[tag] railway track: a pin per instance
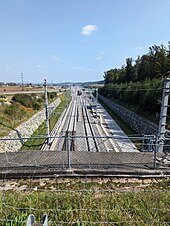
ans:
(82, 122)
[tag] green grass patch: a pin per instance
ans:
(21, 108)
(11, 116)
(80, 202)
(36, 144)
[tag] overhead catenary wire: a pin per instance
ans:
(132, 90)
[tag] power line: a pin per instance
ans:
(131, 90)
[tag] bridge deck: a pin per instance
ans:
(20, 164)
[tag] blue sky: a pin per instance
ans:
(76, 40)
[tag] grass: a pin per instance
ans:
(36, 144)
(7, 123)
(88, 203)
(12, 115)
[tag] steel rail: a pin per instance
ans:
(91, 129)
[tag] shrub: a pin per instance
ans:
(29, 101)
(15, 112)
(23, 99)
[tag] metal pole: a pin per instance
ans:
(154, 157)
(96, 101)
(68, 150)
(46, 111)
(163, 116)
(22, 81)
(66, 98)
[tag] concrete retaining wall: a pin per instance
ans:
(26, 129)
(139, 124)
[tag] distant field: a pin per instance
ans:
(8, 89)
(5, 89)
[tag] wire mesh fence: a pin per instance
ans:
(80, 201)
(101, 152)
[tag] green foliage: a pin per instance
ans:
(36, 105)
(29, 101)
(138, 84)
(52, 95)
(23, 99)
(152, 65)
(22, 108)
(16, 112)
(84, 202)
(11, 116)
(144, 96)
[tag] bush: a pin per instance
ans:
(15, 112)
(23, 99)
(36, 105)
(52, 95)
(28, 101)
(145, 97)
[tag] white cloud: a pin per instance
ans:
(45, 67)
(98, 58)
(55, 58)
(8, 67)
(101, 52)
(88, 29)
(38, 65)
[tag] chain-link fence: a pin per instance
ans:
(88, 152)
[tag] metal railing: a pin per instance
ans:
(131, 147)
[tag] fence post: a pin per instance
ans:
(163, 116)
(30, 220)
(68, 150)
(154, 146)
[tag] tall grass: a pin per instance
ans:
(88, 203)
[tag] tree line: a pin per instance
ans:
(152, 65)
(138, 84)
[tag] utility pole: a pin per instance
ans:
(66, 96)
(163, 116)
(97, 101)
(22, 81)
(46, 110)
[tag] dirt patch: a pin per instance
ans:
(115, 185)
(13, 89)
(7, 89)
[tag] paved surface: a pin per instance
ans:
(78, 159)
(125, 144)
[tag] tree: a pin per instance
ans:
(130, 72)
